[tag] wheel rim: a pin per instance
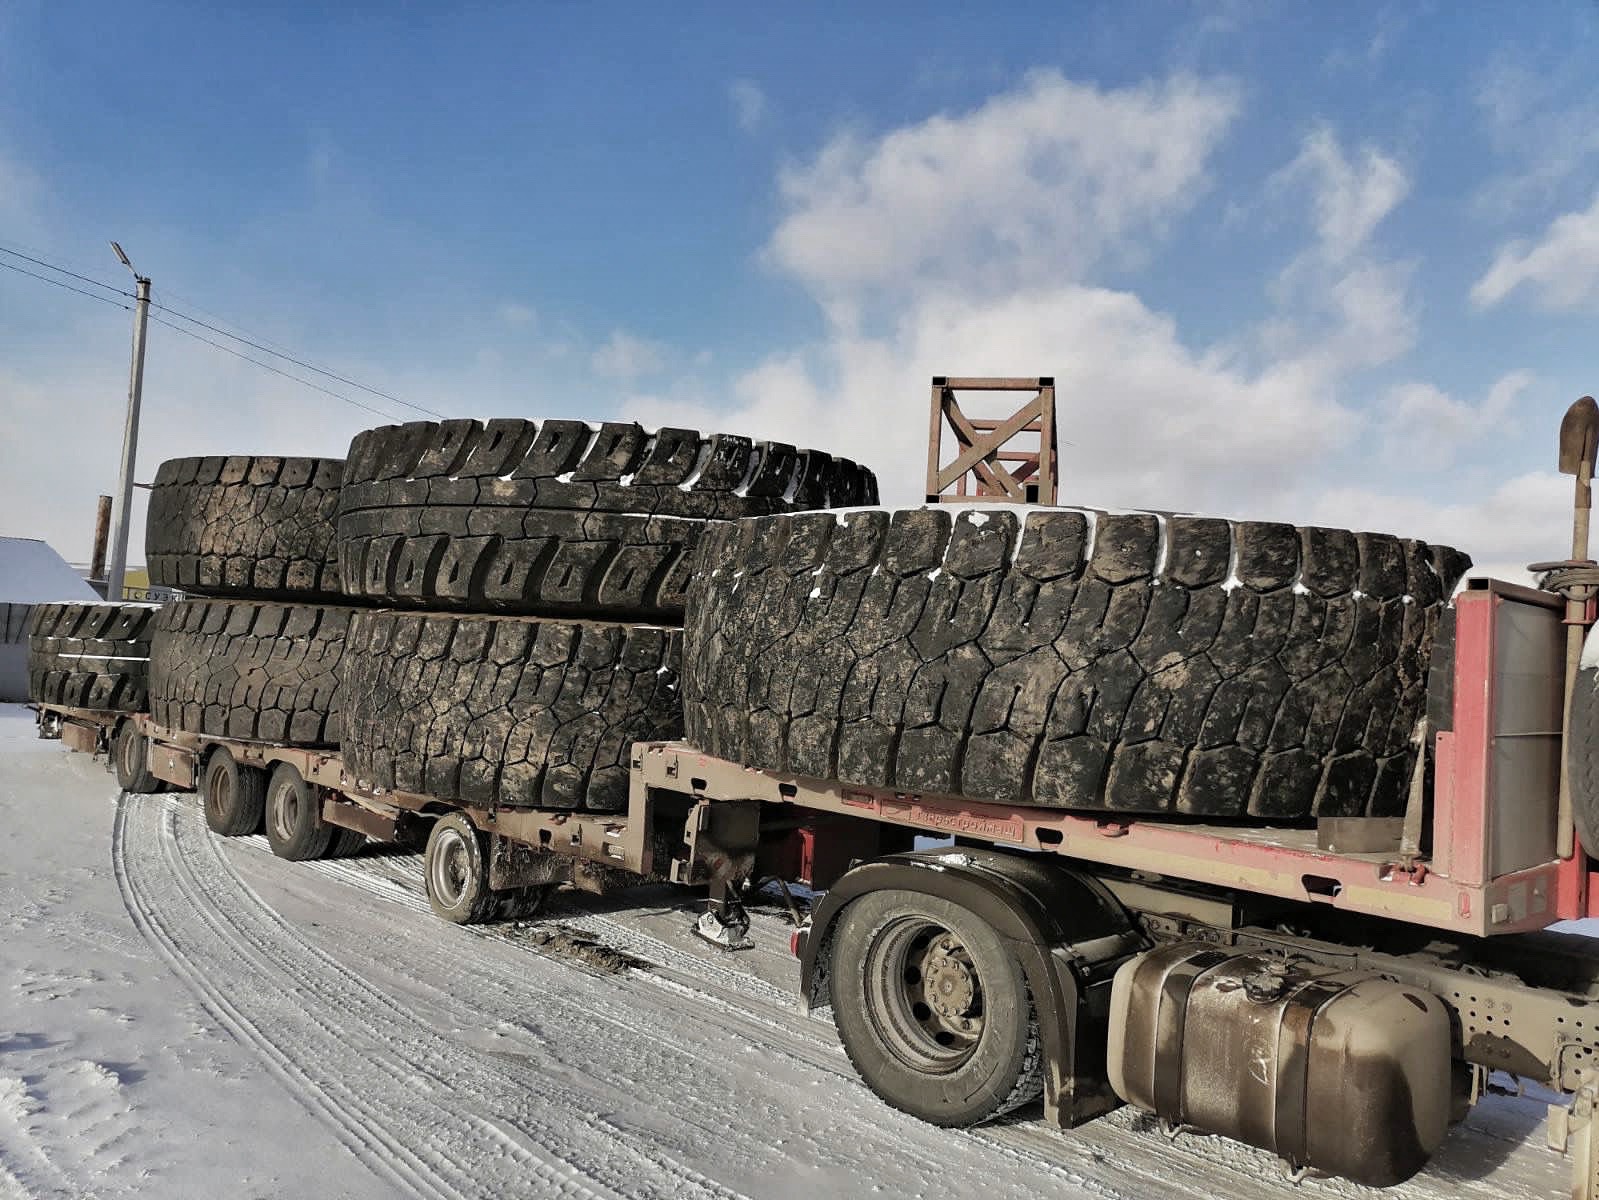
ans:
(285, 811)
(450, 868)
(129, 743)
(924, 995)
(219, 793)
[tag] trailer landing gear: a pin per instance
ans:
(1572, 1131)
(724, 922)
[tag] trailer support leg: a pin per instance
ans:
(724, 922)
(1573, 1131)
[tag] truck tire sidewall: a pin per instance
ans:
(977, 1089)
(344, 843)
(456, 837)
(234, 795)
(132, 760)
(1582, 757)
(294, 828)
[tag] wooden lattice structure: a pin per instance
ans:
(998, 457)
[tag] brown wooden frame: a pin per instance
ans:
(986, 445)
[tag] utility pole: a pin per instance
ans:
(123, 500)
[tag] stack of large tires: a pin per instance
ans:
(1070, 658)
(484, 614)
(252, 651)
(90, 656)
(533, 577)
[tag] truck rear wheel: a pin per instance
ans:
(234, 795)
(933, 1009)
(132, 755)
(294, 826)
(456, 870)
(345, 843)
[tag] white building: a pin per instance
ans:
(30, 573)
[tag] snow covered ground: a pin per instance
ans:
(186, 1016)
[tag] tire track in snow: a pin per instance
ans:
(1122, 1147)
(154, 896)
(1121, 1155)
(362, 1061)
(598, 1011)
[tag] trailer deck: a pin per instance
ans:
(1476, 856)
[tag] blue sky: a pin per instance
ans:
(1327, 263)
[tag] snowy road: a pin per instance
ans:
(182, 1015)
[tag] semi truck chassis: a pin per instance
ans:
(1453, 897)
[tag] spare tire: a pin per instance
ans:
(559, 518)
(247, 526)
(505, 711)
(94, 656)
(1129, 661)
(248, 670)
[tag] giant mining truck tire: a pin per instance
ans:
(250, 670)
(93, 656)
(559, 518)
(249, 526)
(505, 711)
(1582, 747)
(1069, 658)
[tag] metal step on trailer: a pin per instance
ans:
(81, 729)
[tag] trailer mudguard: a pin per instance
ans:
(1066, 928)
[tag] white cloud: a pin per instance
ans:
(624, 356)
(1543, 118)
(1023, 195)
(1525, 518)
(1036, 184)
(1342, 307)
(1145, 420)
(749, 104)
(1426, 426)
(1351, 197)
(1561, 266)
(519, 316)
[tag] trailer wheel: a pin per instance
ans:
(294, 828)
(234, 795)
(345, 843)
(132, 755)
(456, 870)
(933, 1009)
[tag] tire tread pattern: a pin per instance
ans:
(559, 517)
(88, 655)
(1069, 658)
(506, 711)
(251, 670)
(254, 526)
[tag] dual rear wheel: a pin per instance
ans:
(131, 755)
(933, 1009)
(240, 799)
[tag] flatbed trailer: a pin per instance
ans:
(1449, 899)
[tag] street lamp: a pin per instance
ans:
(122, 500)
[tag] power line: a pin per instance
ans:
(49, 266)
(68, 286)
(297, 362)
(261, 346)
(269, 367)
(233, 328)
